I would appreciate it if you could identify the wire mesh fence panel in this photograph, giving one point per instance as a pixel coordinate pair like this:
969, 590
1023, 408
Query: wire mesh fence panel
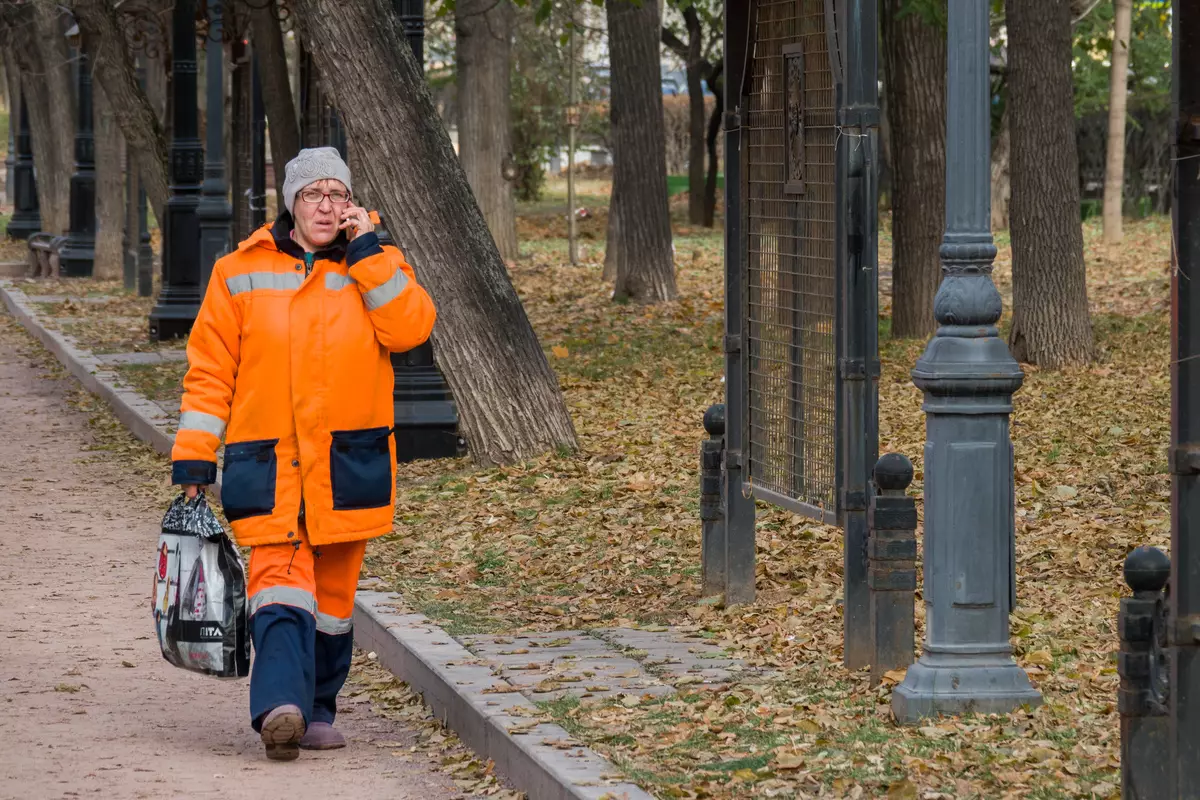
791, 288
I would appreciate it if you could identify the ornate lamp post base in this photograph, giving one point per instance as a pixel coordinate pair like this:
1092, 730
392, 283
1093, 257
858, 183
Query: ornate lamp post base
968, 378
947, 684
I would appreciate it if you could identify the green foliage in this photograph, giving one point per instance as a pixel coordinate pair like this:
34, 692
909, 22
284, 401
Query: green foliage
540, 95
1149, 57
931, 12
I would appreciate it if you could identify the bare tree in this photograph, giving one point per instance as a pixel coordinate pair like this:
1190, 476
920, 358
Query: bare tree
1114, 162
702, 186
1051, 326
645, 261
914, 53
483, 53
116, 76
110, 189
35, 34
508, 398
284, 126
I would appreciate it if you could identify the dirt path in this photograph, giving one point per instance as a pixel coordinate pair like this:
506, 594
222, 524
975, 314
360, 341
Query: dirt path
89, 708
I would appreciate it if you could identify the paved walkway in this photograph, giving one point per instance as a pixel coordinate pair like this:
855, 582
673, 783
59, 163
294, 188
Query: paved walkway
89, 707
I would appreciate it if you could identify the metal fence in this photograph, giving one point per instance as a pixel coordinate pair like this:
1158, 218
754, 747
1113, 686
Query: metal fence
791, 292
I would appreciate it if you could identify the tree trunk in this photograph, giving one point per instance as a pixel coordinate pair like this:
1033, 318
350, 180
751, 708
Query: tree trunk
40, 50
716, 84
483, 60
508, 397
1002, 174
1114, 161
283, 126
645, 263
611, 237
116, 76
915, 57
696, 122
110, 190
1050, 324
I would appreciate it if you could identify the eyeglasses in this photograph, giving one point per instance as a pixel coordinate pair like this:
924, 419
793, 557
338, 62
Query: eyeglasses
314, 196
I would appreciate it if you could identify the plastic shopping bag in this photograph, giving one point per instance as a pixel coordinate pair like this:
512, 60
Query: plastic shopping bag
200, 593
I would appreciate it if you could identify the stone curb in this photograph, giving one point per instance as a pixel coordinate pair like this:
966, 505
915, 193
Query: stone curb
462, 691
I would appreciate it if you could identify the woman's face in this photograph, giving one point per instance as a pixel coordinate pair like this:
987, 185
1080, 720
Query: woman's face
317, 223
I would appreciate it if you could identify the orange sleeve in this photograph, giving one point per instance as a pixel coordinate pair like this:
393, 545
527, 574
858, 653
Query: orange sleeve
400, 308
214, 350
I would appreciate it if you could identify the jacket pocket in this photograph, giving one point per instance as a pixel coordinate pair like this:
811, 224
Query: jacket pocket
248, 483
360, 469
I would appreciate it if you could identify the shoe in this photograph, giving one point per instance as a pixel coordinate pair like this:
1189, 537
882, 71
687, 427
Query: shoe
282, 730
322, 736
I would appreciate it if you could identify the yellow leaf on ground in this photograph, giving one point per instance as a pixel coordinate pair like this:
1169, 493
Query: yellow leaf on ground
560, 351
1040, 657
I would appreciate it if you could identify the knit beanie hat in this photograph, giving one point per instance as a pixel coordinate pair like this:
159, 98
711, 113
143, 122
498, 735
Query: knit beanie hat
311, 165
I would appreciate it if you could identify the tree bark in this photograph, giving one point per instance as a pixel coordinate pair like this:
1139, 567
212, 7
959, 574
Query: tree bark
1002, 174
40, 50
483, 53
696, 123
716, 84
1114, 161
1050, 326
915, 64
283, 126
116, 76
645, 263
508, 397
110, 189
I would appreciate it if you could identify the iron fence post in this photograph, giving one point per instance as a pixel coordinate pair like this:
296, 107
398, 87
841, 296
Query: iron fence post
1184, 458
892, 573
739, 506
858, 122
968, 378
1142, 670
712, 517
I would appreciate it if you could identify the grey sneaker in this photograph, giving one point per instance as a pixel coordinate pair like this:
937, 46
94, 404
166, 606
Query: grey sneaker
282, 731
322, 736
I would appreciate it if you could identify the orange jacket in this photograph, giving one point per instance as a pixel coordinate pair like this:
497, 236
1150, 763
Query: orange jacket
293, 368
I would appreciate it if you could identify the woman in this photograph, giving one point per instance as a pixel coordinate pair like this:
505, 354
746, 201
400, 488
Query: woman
288, 359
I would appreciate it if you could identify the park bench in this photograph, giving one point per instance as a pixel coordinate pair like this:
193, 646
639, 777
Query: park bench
44, 250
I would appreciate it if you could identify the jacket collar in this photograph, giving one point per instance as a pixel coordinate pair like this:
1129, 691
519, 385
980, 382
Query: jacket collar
279, 236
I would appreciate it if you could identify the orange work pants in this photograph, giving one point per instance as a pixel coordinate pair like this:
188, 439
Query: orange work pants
301, 603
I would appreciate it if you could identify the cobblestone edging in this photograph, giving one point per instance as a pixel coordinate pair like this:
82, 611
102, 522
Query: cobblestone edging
462, 689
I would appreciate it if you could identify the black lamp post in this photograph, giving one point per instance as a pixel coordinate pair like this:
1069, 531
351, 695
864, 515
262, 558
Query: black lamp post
26, 218
214, 211
79, 251
179, 298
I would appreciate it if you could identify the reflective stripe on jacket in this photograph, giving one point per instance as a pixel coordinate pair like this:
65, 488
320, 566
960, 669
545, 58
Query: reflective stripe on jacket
292, 369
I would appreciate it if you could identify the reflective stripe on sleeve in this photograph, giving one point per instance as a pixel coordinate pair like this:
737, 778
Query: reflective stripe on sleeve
283, 595
334, 626
387, 291
263, 280
199, 421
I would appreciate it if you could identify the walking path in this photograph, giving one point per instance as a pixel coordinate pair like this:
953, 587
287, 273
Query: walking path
485, 686
90, 709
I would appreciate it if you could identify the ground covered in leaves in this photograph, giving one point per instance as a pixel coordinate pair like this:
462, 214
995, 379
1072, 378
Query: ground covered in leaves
611, 536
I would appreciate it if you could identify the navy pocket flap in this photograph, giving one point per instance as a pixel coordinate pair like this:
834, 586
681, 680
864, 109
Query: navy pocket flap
248, 485
360, 469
